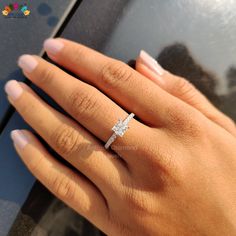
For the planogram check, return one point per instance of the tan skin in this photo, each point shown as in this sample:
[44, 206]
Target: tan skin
[177, 177]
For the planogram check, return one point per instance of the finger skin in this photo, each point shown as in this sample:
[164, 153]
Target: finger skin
[124, 85]
[184, 90]
[71, 141]
[92, 109]
[73, 189]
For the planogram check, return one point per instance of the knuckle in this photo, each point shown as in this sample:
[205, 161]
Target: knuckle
[184, 89]
[114, 73]
[184, 121]
[45, 76]
[66, 140]
[83, 104]
[64, 188]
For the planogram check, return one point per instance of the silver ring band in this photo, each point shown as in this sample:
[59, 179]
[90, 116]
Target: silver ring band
[119, 129]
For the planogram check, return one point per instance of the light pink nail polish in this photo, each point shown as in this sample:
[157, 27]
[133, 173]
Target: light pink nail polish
[19, 139]
[151, 63]
[27, 63]
[13, 89]
[53, 46]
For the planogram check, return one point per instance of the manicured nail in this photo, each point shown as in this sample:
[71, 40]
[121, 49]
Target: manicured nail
[151, 63]
[53, 46]
[27, 63]
[19, 139]
[13, 89]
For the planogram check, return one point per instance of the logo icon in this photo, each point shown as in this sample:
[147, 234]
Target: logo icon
[15, 10]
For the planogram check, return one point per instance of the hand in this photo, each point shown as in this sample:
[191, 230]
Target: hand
[176, 171]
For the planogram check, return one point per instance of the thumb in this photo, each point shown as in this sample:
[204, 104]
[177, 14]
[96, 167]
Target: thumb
[182, 89]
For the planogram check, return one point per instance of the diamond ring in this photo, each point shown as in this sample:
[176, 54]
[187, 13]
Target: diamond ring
[119, 129]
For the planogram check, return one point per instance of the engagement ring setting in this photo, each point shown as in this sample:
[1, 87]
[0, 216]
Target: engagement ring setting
[119, 129]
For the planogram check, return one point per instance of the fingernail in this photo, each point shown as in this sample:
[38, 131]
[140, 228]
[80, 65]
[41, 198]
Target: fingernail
[19, 139]
[27, 63]
[53, 46]
[13, 89]
[151, 63]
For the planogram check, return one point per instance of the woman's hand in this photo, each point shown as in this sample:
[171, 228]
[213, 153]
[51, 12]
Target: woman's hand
[176, 170]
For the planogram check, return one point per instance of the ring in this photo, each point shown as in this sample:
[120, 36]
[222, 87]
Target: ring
[119, 129]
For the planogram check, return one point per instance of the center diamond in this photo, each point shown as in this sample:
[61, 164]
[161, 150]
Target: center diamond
[120, 128]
